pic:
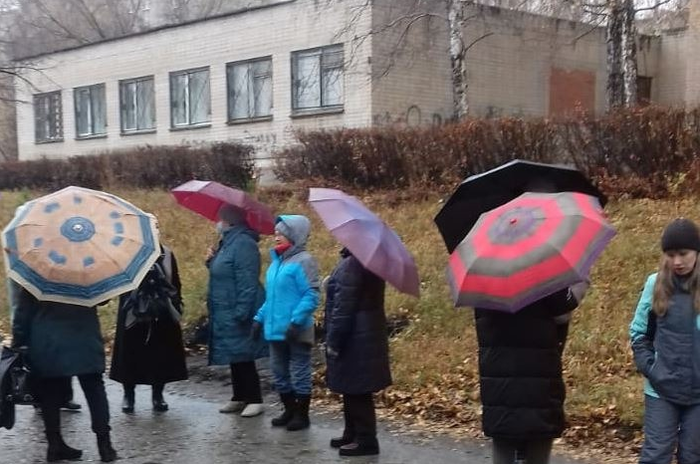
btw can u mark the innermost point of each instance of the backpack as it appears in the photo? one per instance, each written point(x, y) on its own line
point(154, 298)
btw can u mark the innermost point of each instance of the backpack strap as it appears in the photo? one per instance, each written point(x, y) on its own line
point(168, 264)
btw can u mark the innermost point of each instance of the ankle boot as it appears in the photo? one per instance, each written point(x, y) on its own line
point(59, 451)
point(345, 439)
point(104, 446)
point(365, 448)
point(159, 403)
point(300, 420)
point(129, 399)
point(289, 403)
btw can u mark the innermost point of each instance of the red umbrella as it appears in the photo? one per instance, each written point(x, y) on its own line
point(527, 249)
point(206, 197)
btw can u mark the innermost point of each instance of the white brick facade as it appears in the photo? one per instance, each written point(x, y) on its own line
point(511, 70)
point(277, 31)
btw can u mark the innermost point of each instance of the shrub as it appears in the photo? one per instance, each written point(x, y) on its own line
point(142, 167)
point(646, 152)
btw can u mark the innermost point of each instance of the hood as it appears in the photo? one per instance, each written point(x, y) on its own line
point(295, 227)
point(240, 229)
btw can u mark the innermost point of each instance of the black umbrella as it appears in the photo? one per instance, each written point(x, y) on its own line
point(483, 192)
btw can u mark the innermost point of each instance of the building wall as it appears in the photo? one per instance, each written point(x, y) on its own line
point(692, 53)
point(411, 83)
point(516, 57)
point(670, 88)
point(276, 31)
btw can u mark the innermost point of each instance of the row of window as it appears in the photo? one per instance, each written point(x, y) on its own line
point(317, 83)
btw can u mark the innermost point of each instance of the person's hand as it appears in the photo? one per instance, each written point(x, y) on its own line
point(255, 330)
point(293, 332)
point(210, 253)
point(331, 353)
point(579, 290)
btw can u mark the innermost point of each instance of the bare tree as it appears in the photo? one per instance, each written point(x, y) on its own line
point(620, 19)
point(40, 26)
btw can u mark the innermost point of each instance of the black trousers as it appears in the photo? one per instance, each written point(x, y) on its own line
point(360, 419)
point(245, 382)
point(53, 392)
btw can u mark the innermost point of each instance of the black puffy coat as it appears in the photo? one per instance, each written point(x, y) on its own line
point(522, 390)
point(356, 329)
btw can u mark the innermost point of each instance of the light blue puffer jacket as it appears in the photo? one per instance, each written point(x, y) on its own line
point(292, 283)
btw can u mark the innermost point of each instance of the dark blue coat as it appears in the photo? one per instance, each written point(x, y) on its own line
point(356, 329)
point(235, 294)
point(63, 340)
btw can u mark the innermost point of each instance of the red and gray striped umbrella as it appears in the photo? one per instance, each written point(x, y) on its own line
point(527, 249)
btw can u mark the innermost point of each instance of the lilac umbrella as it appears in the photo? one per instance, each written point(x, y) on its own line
point(367, 237)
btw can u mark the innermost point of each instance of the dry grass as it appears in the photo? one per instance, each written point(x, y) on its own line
point(434, 360)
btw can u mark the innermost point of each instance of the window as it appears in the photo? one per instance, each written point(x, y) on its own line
point(90, 112)
point(317, 77)
point(138, 104)
point(249, 89)
point(644, 90)
point(48, 118)
point(189, 98)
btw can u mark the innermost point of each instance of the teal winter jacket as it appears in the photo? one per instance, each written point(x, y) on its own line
point(292, 284)
point(667, 348)
point(234, 296)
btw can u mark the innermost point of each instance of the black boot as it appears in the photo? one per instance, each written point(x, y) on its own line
point(341, 441)
point(289, 403)
point(129, 399)
point(369, 448)
point(104, 446)
point(159, 403)
point(300, 420)
point(59, 451)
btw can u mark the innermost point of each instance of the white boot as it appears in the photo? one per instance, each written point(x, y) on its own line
point(252, 410)
point(232, 406)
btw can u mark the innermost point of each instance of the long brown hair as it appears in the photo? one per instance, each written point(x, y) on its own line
point(664, 286)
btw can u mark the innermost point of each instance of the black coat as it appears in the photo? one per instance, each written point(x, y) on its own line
point(356, 329)
point(150, 353)
point(522, 390)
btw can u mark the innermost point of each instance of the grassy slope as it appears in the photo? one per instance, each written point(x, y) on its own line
point(435, 359)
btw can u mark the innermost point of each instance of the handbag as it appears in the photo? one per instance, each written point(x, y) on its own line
point(15, 380)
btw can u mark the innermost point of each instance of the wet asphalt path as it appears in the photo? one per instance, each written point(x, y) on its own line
point(194, 432)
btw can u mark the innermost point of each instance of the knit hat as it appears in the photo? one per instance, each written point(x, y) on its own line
point(681, 234)
point(232, 215)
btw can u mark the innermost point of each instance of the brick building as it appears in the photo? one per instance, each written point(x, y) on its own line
point(257, 74)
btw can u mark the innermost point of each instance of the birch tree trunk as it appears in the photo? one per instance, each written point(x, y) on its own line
point(615, 90)
point(629, 53)
point(455, 15)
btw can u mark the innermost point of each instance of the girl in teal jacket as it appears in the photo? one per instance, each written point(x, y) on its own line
point(286, 317)
point(665, 335)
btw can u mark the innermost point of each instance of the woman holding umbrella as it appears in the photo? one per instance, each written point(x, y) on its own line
point(357, 346)
point(67, 253)
point(62, 341)
point(357, 351)
point(235, 294)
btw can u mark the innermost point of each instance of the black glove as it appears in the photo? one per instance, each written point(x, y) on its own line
point(293, 332)
point(255, 330)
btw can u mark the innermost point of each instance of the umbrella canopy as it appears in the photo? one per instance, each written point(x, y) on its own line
point(527, 249)
point(367, 237)
point(483, 192)
point(80, 246)
point(206, 197)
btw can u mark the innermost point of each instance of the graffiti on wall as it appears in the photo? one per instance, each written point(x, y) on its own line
point(412, 117)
